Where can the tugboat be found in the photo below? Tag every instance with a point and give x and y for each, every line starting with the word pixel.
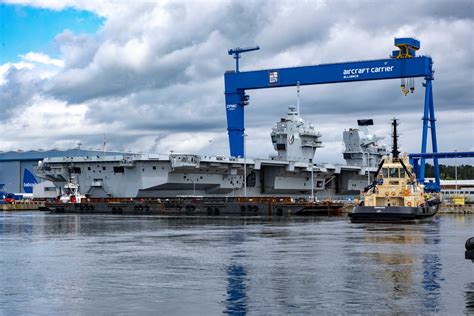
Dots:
pixel 71 192
pixel 395 195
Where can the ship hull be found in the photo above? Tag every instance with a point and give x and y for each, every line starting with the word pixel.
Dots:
pixel 391 214
pixel 148 176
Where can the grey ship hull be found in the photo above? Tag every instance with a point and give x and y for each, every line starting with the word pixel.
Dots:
pixel 289 173
pixel 150 176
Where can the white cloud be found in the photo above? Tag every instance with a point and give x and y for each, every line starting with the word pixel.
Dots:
pixel 6 67
pixel 42 59
pixel 47 123
pixel 152 76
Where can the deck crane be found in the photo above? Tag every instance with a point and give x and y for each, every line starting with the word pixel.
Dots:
pixel 237 51
pixel 403 64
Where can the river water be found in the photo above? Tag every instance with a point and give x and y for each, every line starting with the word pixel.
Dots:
pixel 53 264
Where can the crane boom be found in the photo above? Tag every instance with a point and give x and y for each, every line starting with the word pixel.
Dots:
pixel 237 51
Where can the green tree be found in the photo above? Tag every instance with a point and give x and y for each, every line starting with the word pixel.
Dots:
pixel 465 172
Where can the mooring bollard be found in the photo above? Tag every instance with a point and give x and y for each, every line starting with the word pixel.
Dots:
pixel 470 249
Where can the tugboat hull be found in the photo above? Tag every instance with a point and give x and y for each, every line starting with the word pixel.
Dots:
pixel 391 214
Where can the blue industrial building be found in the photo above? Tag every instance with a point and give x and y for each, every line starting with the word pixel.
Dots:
pixel 17 167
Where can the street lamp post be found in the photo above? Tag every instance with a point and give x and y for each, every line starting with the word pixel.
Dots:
pixel 312 180
pixel 456 176
pixel 245 166
pixel 368 166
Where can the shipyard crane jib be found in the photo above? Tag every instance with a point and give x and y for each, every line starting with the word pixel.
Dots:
pixel 402 64
pixel 237 51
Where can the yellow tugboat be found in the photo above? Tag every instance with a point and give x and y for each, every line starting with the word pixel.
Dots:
pixel 395 195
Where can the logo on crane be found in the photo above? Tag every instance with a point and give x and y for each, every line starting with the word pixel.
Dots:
pixel 273 77
pixel 231 107
pixel 355 72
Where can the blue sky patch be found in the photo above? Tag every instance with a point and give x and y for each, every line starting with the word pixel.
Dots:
pixel 24 29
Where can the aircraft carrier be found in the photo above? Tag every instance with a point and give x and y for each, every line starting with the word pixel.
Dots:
pixel 291 172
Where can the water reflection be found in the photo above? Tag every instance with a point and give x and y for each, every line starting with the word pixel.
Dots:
pixel 236 303
pixel 183 266
pixel 432 269
pixel 391 258
pixel 236 290
pixel 398 273
pixel 469 295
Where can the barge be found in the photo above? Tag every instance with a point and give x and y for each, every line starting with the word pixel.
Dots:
pixel 199 206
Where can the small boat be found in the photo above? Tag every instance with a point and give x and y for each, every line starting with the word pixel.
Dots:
pixel 71 192
pixel 395 195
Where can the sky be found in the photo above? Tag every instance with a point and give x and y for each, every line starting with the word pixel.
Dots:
pixel 148 76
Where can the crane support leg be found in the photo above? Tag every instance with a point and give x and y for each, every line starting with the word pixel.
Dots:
pixel 429 121
pixel 434 141
pixel 235 122
pixel 424 136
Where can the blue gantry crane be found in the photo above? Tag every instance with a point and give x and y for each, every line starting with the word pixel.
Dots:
pixel 402 64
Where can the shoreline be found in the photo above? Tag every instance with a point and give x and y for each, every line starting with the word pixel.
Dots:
pixel 467 209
